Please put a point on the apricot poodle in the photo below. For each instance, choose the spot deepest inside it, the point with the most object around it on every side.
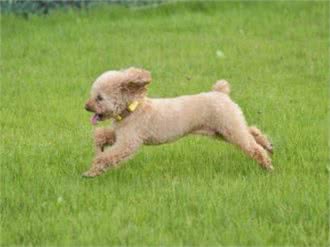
(138, 120)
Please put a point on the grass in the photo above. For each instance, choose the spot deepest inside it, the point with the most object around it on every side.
(195, 191)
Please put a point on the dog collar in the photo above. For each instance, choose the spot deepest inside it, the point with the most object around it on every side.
(130, 108)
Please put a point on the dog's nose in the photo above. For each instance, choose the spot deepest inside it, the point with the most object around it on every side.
(87, 107)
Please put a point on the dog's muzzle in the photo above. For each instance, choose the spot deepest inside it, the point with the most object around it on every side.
(88, 107)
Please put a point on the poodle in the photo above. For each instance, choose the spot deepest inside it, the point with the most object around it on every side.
(137, 119)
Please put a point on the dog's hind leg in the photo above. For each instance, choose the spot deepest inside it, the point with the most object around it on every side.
(258, 153)
(241, 136)
(261, 139)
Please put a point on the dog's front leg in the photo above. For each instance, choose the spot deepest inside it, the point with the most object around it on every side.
(103, 137)
(119, 152)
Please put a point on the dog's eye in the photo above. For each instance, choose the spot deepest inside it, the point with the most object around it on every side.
(99, 97)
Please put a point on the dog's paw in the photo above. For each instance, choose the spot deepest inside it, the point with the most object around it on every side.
(269, 168)
(91, 174)
(269, 148)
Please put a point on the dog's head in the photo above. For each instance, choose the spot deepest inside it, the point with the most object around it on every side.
(113, 91)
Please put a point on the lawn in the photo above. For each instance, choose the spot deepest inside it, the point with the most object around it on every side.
(196, 191)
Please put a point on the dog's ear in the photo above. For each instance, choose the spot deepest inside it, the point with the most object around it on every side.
(137, 78)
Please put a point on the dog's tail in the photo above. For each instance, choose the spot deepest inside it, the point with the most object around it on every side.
(222, 86)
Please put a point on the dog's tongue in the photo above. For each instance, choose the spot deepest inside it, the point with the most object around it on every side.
(94, 119)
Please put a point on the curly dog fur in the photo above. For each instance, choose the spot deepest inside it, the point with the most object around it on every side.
(157, 121)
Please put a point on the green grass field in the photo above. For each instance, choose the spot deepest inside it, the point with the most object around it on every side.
(195, 191)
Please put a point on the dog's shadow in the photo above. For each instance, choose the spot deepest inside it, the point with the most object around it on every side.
(189, 161)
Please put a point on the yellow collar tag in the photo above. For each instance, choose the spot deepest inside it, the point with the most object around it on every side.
(132, 106)
(118, 118)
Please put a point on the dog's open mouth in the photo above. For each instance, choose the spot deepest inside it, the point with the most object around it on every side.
(96, 117)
